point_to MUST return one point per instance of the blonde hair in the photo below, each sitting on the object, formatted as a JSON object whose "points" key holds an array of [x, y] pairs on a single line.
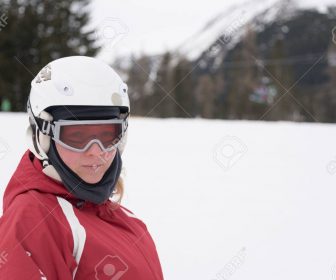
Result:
{"points": [[118, 192]]}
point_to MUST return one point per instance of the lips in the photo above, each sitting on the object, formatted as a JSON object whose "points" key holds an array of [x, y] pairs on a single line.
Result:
{"points": [[92, 166]]}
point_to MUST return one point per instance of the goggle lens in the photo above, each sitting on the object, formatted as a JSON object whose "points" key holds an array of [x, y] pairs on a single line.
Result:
{"points": [[78, 136]]}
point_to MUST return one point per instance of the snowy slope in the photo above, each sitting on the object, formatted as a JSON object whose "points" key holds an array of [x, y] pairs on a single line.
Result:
{"points": [[153, 28], [226, 199], [231, 22], [228, 23]]}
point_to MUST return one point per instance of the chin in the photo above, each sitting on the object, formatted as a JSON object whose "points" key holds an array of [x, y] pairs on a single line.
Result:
{"points": [[92, 181], [91, 177]]}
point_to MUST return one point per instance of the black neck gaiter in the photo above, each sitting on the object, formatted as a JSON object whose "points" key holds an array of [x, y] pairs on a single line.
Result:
{"points": [[96, 193]]}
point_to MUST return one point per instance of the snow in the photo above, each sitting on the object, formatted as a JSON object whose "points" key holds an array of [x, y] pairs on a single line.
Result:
{"points": [[152, 27], [226, 199], [232, 21], [228, 24]]}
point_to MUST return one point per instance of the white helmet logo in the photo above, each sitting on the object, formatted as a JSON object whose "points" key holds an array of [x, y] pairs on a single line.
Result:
{"points": [[44, 75]]}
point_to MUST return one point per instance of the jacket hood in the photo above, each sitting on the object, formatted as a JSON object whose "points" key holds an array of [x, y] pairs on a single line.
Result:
{"points": [[29, 176]]}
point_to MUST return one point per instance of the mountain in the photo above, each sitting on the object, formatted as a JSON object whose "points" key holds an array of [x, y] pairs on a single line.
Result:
{"points": [[225, 28], [240, 64]]}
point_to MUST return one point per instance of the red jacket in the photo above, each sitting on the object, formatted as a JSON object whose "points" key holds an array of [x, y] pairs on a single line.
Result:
{"points": [[46, 234]]}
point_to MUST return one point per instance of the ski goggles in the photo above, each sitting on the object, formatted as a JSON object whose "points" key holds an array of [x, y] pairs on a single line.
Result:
{"points": [[78, 136]]}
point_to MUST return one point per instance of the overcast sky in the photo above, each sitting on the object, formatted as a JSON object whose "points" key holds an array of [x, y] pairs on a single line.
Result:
{"points": [[152, 26]]}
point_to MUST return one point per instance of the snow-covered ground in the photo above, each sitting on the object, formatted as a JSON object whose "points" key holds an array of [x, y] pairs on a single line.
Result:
{"points": [[225, 199]]}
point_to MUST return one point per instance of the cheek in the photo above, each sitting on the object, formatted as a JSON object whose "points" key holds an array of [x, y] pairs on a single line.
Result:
{"points": [[70, 158], [108, 157]]}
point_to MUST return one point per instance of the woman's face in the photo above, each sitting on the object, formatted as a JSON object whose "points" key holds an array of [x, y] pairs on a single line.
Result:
{"points": [[90, 165]]}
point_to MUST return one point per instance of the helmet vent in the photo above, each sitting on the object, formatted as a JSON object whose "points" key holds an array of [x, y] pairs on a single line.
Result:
{"points": [[67, 91], [123, 88]]}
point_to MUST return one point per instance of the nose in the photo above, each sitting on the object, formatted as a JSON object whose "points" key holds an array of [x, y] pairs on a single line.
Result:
{"points": [[94, 149]]}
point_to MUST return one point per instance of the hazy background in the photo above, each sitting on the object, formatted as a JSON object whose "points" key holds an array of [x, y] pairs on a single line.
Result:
{"points": [[254, 60], [231, 158]]}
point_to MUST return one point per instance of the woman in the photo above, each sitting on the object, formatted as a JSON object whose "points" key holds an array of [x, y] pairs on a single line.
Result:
{"points": [[58, 221]]}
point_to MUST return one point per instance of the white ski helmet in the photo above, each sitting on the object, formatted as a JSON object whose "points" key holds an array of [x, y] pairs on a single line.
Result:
{"points": [[72, 81]]}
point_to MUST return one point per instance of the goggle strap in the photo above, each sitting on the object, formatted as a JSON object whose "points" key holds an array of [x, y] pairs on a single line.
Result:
{"points": [[45, 126]]}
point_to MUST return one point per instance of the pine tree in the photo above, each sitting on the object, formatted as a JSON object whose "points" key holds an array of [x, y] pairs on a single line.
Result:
{"points": [[140, 85], [37, 32], [161, 87], [206, 92], [281, 75], [183, 92], [242, 77], [326, 97]]}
